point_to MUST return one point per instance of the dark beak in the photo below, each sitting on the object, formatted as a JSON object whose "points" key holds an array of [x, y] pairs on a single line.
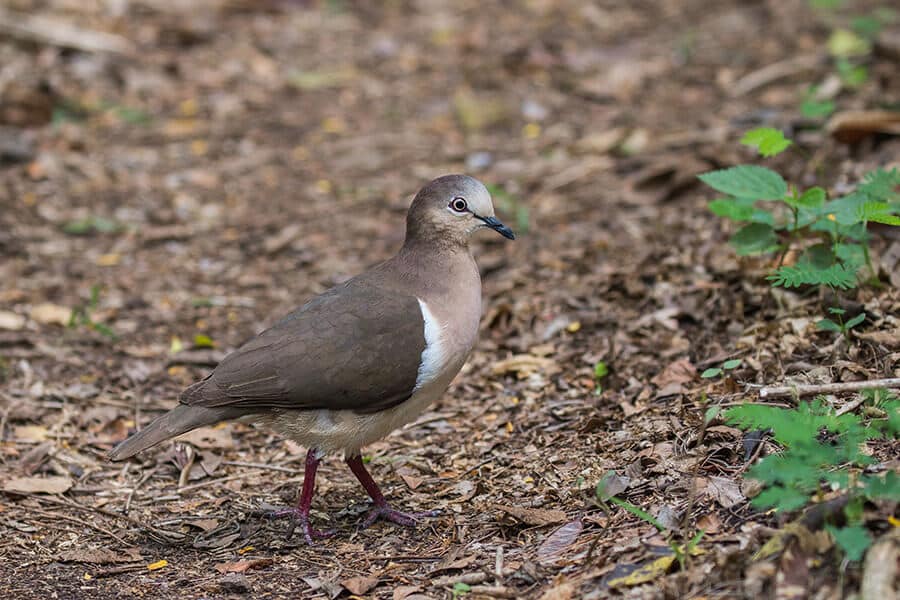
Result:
{"points": [[497, 226]]}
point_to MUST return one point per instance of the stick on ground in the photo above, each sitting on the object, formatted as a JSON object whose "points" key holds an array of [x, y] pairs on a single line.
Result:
{"points": [[787, 391]]}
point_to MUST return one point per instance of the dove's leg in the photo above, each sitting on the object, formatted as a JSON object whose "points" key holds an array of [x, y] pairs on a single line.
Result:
{"points": [[381, 508], [299, 515]]}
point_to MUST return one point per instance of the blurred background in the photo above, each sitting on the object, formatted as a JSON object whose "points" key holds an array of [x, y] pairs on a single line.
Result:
{"points": [[177, 174]]}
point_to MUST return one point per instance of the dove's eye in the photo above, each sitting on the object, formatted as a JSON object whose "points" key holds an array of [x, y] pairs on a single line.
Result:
{"points": [[459, 205]]}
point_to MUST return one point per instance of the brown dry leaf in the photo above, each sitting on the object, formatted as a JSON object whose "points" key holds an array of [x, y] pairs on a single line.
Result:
{"points": [[205, 524], [709, 523], [452, 561], [725, 491], [524, 365], [101, 556], [209, 437], [563, 591], [851, 126], [410, 478], [360, 585], [50, 314], [558, 542], [242, 565], [37, 485], [404, 591], [678, 372], [533, 516]]}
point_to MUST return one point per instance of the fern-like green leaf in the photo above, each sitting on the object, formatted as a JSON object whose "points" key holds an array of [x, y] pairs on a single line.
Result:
{"points": [[835, 276]]}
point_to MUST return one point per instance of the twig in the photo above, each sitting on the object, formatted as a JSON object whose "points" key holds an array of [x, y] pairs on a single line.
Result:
{"points": [[848, 407], [83, 522], [56, 32], [788, 391], [774, 72], [497, 591]]}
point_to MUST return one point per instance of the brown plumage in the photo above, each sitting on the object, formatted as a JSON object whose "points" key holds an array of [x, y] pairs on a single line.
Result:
{"points": [[362, 358]]}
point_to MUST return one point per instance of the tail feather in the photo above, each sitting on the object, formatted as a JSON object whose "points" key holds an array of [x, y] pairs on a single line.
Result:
{"points": [[181, 419]]}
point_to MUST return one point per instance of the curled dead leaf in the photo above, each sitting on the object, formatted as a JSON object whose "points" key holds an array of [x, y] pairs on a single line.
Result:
{"points": [[239, 566], [360, 585], [852, 126]]}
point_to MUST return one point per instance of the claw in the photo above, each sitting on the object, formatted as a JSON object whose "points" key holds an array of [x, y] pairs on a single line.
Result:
{"points": [[297, 517]]}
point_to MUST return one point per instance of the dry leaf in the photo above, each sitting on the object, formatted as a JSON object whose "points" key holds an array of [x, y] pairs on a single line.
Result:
{"points": [[851, 126], [243, 565], [404, 591], [678, 372], [725, 491], [524, 365], [51, 314], [37, 485], [533, 516], [360, 585], [11, 321], [558, 542], [30, 433], [889, 338], [563, 591], [100, 556], [452, 561], [209, 437]]}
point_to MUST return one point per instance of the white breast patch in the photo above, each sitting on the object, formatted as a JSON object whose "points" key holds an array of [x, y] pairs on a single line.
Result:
{"points": [[434, 358]]}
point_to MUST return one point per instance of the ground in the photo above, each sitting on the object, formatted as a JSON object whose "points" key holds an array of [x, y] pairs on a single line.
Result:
{"points": [[190, 180]]}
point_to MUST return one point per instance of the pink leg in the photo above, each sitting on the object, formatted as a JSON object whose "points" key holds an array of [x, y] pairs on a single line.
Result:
{"points": [[382, 510], [300, 514]]}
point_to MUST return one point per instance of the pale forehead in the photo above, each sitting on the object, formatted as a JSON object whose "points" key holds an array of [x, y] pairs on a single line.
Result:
{"points": [[477, 196]]}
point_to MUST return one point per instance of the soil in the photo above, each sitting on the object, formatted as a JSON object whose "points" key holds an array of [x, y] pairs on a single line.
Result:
{"points": [[189, 177]]}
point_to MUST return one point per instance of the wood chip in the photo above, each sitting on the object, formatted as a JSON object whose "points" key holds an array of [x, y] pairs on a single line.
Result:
{"points": [[533, 516], [37, 485]]}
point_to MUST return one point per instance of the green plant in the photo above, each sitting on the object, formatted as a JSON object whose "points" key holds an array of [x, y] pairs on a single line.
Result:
{"points": [[822, 451], [812, 107], [508, 203], [716, 371], [460, 589], [840, 326], [601, 370], [610, 483], [829, 235], [81, 315]]}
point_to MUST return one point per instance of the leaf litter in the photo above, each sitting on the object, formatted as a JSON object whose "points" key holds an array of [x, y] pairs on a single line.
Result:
{"points": [[254, 154]]}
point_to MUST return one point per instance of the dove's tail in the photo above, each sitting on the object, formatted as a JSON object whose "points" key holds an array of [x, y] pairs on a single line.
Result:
{"points": [[181, 419]]}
